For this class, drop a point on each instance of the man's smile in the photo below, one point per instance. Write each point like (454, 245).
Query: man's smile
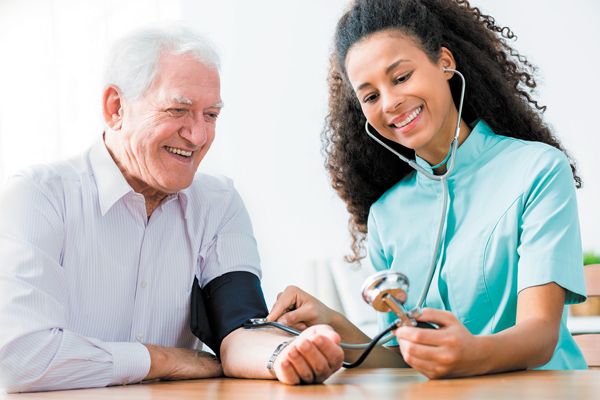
(180, 152)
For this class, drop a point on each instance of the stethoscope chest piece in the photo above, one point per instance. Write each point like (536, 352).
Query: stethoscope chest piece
(382, 284)
(387, 291)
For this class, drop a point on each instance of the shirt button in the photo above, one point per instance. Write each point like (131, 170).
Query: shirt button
(125, 382)
(139, 337)
(144, 284)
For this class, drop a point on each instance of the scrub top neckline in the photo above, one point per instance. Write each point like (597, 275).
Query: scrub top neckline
(466, 155)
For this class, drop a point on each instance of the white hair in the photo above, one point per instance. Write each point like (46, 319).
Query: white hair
(132, 62)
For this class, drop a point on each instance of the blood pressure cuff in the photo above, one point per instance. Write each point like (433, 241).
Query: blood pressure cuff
(224, 305)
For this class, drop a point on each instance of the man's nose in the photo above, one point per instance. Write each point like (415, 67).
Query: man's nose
(195, 131)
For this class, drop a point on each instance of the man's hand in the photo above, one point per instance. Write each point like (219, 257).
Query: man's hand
(177, 364)
(311, 358)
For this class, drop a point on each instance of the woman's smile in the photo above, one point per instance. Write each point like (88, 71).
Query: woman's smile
(408, 120)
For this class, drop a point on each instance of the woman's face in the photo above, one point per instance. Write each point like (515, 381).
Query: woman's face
(404, 96)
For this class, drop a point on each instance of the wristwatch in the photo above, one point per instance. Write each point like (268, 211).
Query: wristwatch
(274, 356)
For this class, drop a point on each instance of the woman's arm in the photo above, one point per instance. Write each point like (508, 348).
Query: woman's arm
(298, 309)
(452, 351)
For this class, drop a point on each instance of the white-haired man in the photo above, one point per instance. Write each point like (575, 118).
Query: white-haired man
(100, 252)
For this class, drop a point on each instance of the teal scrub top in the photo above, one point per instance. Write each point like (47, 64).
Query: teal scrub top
(512, 223)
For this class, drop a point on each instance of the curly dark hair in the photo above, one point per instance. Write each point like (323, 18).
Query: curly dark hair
(499, 91)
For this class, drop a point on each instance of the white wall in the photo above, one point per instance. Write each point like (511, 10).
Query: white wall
(275, 58)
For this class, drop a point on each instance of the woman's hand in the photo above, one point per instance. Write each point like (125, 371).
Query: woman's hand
(311, 358)
(297, 309)
(448, 351)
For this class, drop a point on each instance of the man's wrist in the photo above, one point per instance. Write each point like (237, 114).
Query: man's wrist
(277, 351)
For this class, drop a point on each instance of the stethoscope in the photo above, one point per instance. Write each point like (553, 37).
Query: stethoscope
(386, 291)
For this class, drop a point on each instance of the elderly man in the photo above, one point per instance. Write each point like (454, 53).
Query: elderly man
(100, 252)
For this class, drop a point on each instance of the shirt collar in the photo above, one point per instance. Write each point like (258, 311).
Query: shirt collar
(112, 185)
(469, 151)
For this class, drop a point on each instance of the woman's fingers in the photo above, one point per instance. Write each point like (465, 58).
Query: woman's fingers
(438, 317)
(285, 301)
(295, 307)
(431, 337)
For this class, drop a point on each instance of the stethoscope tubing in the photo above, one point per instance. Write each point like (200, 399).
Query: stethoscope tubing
(442, 178)
(384, 336)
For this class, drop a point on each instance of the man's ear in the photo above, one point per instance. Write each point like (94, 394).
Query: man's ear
(112, 109)
(447, 61)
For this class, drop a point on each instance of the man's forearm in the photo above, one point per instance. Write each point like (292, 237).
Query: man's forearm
(245, 353)
(175, 364)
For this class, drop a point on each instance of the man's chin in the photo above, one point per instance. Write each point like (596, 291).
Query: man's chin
(178, 186)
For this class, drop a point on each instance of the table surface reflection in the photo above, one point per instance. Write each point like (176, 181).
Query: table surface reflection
(373, 384)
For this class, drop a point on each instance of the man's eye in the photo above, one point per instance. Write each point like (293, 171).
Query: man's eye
(403, 78)
(176, 112)
(212, 117)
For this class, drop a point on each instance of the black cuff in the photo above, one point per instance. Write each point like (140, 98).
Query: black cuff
(224, 305)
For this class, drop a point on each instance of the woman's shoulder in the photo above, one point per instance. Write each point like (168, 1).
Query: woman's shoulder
(395, 195)
(523, 150)
(531, 156)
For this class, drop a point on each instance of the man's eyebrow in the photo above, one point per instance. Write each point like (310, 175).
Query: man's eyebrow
(182, 100)
(387, 71)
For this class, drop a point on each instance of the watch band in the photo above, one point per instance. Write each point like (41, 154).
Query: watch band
(274, 356)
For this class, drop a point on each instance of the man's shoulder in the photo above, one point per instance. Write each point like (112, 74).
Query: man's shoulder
(213, 182)
(213, 185)
(47, 174)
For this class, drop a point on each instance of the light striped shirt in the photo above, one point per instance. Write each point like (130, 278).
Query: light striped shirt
(85, 277)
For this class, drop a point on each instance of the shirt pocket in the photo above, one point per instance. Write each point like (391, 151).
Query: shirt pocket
(468, 290)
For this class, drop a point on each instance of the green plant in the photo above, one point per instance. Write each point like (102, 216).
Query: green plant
(589, 257)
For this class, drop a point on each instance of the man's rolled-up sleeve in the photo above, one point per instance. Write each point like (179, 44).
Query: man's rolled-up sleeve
(37, 351)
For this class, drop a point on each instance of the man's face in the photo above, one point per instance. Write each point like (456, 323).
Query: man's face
(167, 132)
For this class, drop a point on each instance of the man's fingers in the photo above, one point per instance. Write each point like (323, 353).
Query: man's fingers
(287, 373)
(303, 370)
(317, 360)
(332, 352)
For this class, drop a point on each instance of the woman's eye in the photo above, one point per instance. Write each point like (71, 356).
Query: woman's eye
(403, 78)
(370, 99)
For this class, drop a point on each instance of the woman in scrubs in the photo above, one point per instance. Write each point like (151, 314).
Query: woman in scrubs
(511, 258)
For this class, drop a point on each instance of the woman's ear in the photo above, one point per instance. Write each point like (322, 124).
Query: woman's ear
(447, 62)
(112, 109)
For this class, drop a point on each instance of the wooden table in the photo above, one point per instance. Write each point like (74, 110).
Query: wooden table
(372, 384)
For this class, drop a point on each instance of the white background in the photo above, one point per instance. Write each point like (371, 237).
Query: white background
(275, 60)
